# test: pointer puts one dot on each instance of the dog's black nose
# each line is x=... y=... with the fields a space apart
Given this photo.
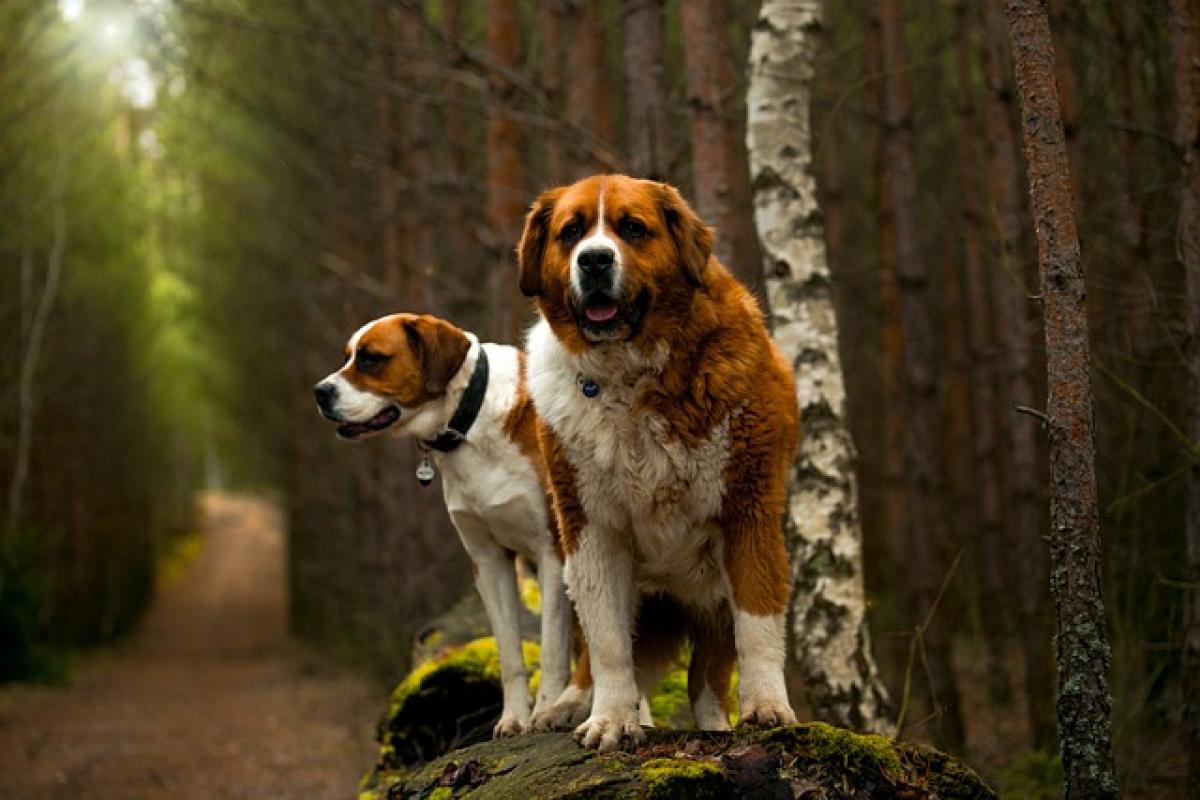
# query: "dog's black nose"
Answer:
x=596 y=261
x=325 y=392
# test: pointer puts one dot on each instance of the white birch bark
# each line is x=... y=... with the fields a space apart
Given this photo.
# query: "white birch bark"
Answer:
x=832 y=644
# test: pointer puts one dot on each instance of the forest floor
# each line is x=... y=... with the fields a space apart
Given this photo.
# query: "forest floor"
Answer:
x=209 y=699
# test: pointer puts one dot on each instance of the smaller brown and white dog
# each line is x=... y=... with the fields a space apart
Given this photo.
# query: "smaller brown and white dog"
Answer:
x=466 y=401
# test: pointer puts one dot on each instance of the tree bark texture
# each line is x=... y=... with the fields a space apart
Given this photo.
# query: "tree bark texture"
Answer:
x=550 y=22
x=589 y=106
x=389 y=146
x=1011 y=293
x=1185 y=19
x=719 y=175
x=505 y=174
x=1083 y=651
x=828 y=604
x=646 y=116
x=925 y=484
x=981 y=339
x=895 y=502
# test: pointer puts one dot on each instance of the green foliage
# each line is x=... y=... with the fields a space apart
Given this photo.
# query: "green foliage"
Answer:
x=116 y=407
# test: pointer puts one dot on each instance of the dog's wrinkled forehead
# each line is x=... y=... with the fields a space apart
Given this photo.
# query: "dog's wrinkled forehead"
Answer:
x=617 y=196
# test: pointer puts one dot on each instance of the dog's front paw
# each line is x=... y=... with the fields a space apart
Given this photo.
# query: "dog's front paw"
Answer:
x=570 y=709
x=507 y=727
x=766 y=713
x=611 y=732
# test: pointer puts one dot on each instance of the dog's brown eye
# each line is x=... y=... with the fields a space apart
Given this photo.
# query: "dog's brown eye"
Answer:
x=630 y=229
x=367 y=360
x=571 y=232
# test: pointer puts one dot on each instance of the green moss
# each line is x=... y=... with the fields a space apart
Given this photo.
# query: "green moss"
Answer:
x=441 y=793
x=479 y=658
x=826 y=742
x=668 y=778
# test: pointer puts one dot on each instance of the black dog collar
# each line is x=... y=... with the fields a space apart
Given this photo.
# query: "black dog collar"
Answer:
x=468 y=409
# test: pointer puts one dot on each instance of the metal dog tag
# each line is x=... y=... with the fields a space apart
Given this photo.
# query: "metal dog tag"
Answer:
x=425 y=471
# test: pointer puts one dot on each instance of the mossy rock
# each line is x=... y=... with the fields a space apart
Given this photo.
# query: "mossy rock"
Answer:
x=449 y=701
x=810 y=760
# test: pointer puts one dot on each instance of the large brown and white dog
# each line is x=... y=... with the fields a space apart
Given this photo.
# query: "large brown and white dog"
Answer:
x=423 y=377
x=668 y=422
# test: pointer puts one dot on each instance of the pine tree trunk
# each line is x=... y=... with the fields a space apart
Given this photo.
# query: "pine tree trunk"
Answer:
x=550 y=22
x=505 y=174
x=461 y=246
x=831 y=638
x=1011 y=294
x=647 y=112
x=588 y=102
x=925 y=482
x=719 y=178
x=895 y=501
x=389 y=146
x=1185 y=19
x=416 y=216
x=1083 y=651
x=981 y=337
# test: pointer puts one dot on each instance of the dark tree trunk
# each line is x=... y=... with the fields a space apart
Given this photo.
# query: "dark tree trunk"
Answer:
x=1011 y=294
x=588 y=103
x=895 y=502
x=551 y=22
x=389 y=146
x=416 y=216
x=647 y=111
x=925 y=482
x=1083 y=651
x=461 y=245
x=1133 y=209
x=1186 y=55
x=505 y=174
x=981 y=338
x=720 y=171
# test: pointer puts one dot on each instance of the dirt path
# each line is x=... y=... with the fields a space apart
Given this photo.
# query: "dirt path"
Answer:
x=210 y=699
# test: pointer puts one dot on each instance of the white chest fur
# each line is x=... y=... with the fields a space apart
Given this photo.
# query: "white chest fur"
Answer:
x=492 y=480
x=633 y=477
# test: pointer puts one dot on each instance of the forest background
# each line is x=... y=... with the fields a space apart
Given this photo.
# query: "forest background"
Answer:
x=202 y=198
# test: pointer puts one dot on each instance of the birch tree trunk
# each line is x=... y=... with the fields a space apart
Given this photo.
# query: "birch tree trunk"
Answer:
x=828 y=604
x=1084 y=726
x=1185 y=24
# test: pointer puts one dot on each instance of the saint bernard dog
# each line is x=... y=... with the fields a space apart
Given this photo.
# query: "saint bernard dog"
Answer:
x=466 y=404
x=668 y=421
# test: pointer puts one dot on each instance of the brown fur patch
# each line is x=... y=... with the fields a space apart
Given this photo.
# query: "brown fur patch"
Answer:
x=714 y=654
x=419 y=353
x=567 y=508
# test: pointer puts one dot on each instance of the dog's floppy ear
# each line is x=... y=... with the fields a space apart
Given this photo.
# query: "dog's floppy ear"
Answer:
x=533 y=242
x=440 y=347
x=693 y=239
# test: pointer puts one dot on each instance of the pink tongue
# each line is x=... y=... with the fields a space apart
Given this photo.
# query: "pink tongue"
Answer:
x=601 y=313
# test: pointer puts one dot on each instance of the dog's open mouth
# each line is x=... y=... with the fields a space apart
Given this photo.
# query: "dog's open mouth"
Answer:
x=603 y=317
x=382 y=420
